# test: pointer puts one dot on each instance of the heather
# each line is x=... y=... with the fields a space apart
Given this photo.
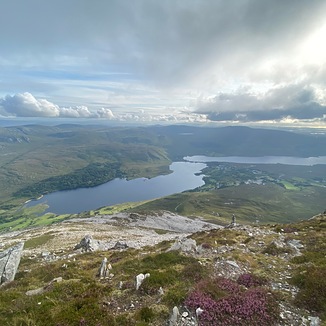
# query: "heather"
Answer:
x=233 y=305
x=251 y=280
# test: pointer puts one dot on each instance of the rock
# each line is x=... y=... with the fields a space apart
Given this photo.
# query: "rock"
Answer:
x=229 y=269
x=296 y=244
x=103 y=270
x=174 y=317
x=314 y=321
x=184 y=245
x=9 y=262
x=120 y=285
x=140 y=279
x=120 y=245
x=88 y=244
x=232 y=263
x=45 y=254
x=199 y=311
x=160 y=291
x=35 y=292
x=44 y=288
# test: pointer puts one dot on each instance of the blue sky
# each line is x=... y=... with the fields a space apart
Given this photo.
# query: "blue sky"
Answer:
x=237 y=61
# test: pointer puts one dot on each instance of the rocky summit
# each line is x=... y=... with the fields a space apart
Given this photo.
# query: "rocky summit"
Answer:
x=161 y=268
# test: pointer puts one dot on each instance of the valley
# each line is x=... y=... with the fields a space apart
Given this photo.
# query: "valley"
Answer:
x=37 y=160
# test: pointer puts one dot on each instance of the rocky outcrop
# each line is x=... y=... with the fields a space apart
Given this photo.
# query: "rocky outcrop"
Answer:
x=88 y=244
x=9 y=262
x=184 y=245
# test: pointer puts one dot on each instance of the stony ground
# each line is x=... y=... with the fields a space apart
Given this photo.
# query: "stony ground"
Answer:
x=133 y=229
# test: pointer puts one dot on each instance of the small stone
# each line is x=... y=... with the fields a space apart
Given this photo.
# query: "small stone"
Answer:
x=199 y=311
x=185 y=314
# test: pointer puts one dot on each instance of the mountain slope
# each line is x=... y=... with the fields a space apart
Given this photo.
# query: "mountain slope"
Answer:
x=281 y=269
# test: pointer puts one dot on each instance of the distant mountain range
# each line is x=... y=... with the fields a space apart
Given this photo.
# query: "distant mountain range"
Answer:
x=241 y=141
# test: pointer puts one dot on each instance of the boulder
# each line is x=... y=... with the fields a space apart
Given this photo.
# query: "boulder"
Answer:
x=9 y=262
x=120 y=245
x=88 y=244
x=184 y=245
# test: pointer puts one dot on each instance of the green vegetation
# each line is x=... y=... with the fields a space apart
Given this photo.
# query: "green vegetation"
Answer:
x=90 y=176
x=250 y=203
x=36 y=160
x=82 y=298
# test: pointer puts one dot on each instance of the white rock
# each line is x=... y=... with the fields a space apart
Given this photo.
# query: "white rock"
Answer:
x=140 y=279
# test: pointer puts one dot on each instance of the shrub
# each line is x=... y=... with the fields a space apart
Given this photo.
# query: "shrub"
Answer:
x=193 y=272
x=158 y=279
x=312 y=294
x=238 y=308
x=206 y=246
x=175 y=296
x=251 y=280
x=146 y=314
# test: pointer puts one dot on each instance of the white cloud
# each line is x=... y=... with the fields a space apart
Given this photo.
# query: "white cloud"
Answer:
x=105 y=113
x=26 y=105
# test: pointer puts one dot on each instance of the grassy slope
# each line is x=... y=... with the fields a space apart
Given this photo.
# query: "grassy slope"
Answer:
x=83 y=299
x=270 y=203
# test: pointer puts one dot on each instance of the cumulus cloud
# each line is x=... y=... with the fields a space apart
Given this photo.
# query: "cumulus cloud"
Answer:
x=105 y=113
x=26 y=105
x=286 y=102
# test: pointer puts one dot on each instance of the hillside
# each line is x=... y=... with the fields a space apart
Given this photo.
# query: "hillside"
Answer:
x=236 y=274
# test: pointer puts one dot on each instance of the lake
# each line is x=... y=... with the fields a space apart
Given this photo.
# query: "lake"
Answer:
x=288 y=160
x=184 y=176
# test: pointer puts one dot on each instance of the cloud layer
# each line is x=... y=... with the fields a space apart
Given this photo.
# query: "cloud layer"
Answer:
x=250 y=60
x=288 y=102
x=26 y=105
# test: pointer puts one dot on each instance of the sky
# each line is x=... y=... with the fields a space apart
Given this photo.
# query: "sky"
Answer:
x=258 y=62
